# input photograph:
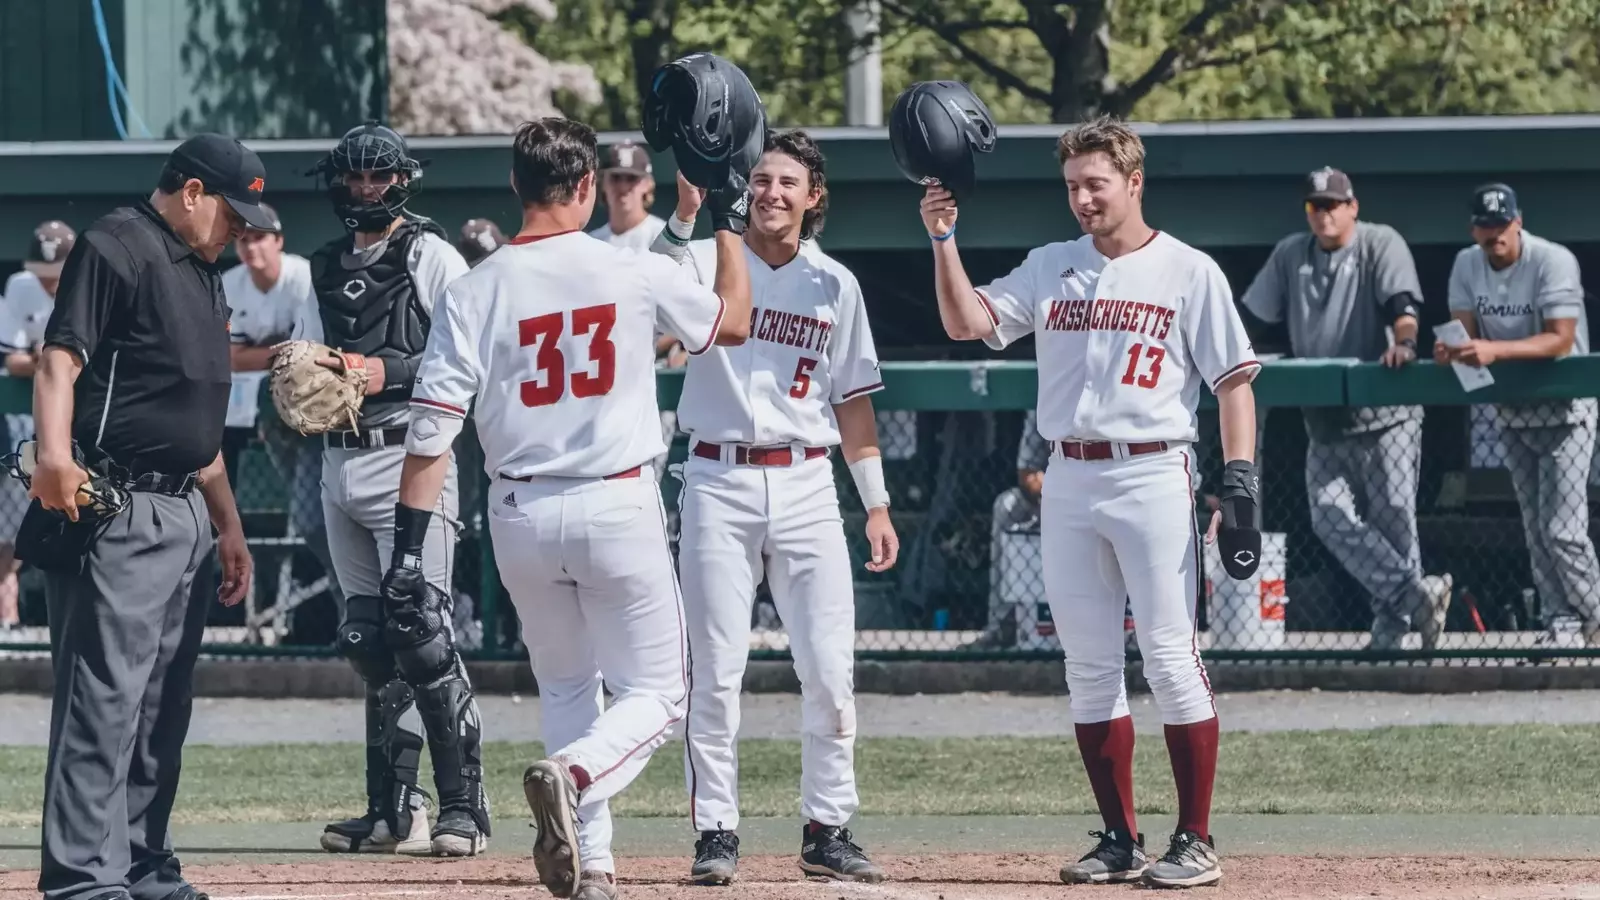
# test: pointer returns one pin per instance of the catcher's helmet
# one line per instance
(936, 129)
(369, 148)
(706, 110)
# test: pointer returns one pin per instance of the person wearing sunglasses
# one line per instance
(1349, 288)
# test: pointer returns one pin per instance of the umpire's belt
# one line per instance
(370, 439)
(1096, 450)
(754, 456)
(151, 482)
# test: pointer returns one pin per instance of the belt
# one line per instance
(630, 473)
(1096, 450)
(156, 483)
(756, 456)
(366, 440)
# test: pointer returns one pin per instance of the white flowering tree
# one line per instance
(453, 69)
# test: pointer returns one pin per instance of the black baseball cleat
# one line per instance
(1119, 857)
(828, 850)
(1191, 861)
(716, 855)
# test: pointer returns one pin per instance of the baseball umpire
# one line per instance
(1520, 297)
(1349, 289)
(130, 397)
(373, 294)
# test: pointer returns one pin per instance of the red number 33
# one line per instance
(1146, 380)
(543, 333)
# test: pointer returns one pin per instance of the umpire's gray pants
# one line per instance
(1549, 472)
(1363, 502)
(359, 491)
(124, 637)
(1012, 508)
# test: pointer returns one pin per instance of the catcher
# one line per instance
(347, 375)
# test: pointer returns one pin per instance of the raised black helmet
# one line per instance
(705, 109)
(369, 148)
(936, 131)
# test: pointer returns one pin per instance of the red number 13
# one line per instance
(1148, 379)
(542, 333)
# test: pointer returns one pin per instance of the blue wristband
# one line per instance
(946, 236)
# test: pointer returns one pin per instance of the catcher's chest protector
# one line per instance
(375, 311)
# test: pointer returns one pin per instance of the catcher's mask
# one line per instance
(706, 110)
(98, 499)
(371, 148)
(936, 130)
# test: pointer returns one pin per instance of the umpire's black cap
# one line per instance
(1494, 205)
(230, 169)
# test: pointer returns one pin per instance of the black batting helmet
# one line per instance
(369, 148)
(706, 110)
(936, 130)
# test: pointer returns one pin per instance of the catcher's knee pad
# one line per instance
(402, 739)
(362, 640)
(419, 636)
(449, 712)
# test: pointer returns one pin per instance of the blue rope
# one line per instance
(114, 85)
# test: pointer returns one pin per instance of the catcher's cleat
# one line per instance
(552, 796)
(716, 855)
(1191, 861)
(1119, 857)
(829, 850)
(595, 885)
(370, 834)
(457, 834)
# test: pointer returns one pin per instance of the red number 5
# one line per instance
(802, 377)
(543, 332)
(1147, 380)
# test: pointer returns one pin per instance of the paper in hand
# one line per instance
(1454, 334)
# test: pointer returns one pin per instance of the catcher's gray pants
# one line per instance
(1549, 468)
(124, 637)
(359, 491)
(1363, 498)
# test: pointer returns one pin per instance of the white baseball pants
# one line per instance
(736, 522)
(586, 562)
(1116, 532)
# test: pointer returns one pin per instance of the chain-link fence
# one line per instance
(1389, 528)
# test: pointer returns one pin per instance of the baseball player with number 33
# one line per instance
(759, 495)
(1130, 322)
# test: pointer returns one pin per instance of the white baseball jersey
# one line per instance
(1123, 344)
(554, 337)
(810, 347)
(261, 318)
(24, 313)
(636, 238)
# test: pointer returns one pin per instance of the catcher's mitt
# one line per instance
(312, 398)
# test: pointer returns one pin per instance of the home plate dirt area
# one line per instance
(942, 877)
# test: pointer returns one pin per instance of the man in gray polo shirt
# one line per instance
(1519, 297)
(1349, 289)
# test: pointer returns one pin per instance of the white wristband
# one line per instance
(867, 472)
(680, 229)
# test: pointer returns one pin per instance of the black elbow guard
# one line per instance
(1403, 304)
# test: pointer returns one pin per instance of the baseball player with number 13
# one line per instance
(759, 495)
(1129, 322)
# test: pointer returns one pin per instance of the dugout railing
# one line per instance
(965, 589)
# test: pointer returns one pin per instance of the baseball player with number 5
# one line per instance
(759, 496)
(1130, 323)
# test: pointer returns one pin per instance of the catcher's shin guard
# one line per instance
(362, 641)
(455, 741)
(396, 820)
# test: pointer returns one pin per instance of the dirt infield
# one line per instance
(945, 877)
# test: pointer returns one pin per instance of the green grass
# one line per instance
(1526, 769)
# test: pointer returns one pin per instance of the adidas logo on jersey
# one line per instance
(510, 500)
(1068, 272)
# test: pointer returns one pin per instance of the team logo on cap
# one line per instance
(258, 184)
(1491, 201)
(48, 248)
(1319, 179)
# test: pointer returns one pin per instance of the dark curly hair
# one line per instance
(799, 146)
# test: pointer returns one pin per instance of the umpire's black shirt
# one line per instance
(149, 320)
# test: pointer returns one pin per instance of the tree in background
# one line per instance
(1163, 60)
(455, 70)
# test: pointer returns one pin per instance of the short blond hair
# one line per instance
(1108, 135)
